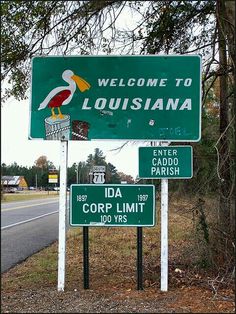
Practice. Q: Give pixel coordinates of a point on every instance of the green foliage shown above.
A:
(170, 25)
(111, 174)
(96, 159)
(30, 28)
(91, 27)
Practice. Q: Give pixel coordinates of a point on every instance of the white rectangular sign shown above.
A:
(99, 168)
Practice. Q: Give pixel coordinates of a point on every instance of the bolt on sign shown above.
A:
(169, 162)
(112, 205)
(110, 97)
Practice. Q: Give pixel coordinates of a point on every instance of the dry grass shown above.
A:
(27, 195)
(113, 257)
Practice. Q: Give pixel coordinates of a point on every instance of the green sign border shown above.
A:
(122, 186)
(179, 125)
(188, 147)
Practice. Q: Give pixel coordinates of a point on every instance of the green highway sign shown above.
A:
(116, 97)
(170, 162)
(112, 205)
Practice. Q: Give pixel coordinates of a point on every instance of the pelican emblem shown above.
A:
(62, 95)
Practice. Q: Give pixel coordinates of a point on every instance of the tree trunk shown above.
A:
(230, 36)
(224, 143)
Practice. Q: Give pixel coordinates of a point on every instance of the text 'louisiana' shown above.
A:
(138, 104)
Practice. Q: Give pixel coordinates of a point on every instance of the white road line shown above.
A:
(28, 220)
(25, 206)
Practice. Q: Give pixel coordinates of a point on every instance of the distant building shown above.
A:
(8, 183)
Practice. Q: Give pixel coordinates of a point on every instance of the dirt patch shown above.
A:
(48, 300)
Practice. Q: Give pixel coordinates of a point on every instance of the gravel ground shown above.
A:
(87, 301)
(48, 300)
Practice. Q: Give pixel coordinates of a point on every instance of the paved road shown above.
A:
(26, 228)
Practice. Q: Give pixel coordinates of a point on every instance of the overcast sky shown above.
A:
(16, 147)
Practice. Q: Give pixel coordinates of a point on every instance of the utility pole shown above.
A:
(77, 174)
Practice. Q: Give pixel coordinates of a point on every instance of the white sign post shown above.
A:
(62, 216)
(164, 231)
(164, 234)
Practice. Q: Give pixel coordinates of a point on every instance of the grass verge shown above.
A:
(24, 196)
(113, 258)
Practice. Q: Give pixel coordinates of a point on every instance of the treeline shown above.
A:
(37, 175)
(204, 180)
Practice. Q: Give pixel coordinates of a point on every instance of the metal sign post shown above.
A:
(98, 176)
(162, 162)
(62, 216)
(164, 232)
(112, 205)
(139, 258)
(86, 256)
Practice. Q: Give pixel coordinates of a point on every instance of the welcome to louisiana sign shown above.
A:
(116, 97)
